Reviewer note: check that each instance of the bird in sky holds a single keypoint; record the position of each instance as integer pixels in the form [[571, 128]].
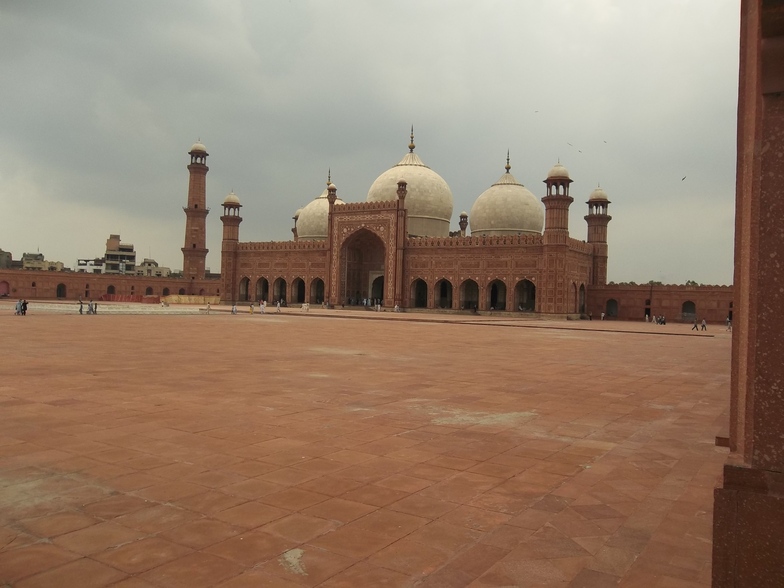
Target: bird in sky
[[683, 178]]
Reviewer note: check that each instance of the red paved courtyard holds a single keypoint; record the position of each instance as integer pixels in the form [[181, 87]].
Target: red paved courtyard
[[328, 449]]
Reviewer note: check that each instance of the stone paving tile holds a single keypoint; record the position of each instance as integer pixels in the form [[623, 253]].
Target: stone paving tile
[[368, 461], [82, 573], [142, 555]]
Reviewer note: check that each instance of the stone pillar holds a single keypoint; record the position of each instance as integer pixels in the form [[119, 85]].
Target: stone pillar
[[748, 516]]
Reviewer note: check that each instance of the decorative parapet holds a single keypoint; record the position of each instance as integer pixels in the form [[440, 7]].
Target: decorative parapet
[[365, 206], [580, 246], [658, 287], [282, 245], [483, 241]]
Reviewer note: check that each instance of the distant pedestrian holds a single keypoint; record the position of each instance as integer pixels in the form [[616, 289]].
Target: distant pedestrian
[[729, 325], [278, 306], [90, 307], [234, 308], [251, 308], [208, 308], [694, 327], [24, 307], [18, 308], [81, 306], [95, 308], [704, 325], [602, 316]]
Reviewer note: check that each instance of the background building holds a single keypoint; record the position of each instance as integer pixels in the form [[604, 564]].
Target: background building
[[120, 258]]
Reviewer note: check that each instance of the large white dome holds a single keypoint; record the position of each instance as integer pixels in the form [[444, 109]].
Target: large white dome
[[506, 208], [428, 201], [313, 219]]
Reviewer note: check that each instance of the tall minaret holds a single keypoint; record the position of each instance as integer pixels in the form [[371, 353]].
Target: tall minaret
[[556, 205], [597, 220], [231, 220], [194, 253]]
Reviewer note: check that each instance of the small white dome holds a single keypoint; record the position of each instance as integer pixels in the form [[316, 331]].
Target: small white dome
[[198, 146], [231, 198], [297, 213], [558, 172], [313, 220], [598, 194], [506, 208], [428, 200]]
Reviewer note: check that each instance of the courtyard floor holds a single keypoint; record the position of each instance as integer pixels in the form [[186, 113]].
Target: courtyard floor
[[356, 449]]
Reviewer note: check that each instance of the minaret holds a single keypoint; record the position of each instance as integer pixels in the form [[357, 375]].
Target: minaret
[[556, 205], [597, 220], [194, 253], [231, 220]]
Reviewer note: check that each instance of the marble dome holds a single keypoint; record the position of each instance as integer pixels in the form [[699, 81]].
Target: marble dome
[[231, 198], [506, 208], [428, 200], [557, 172], [313, 219], [598, 194], [198, 146]]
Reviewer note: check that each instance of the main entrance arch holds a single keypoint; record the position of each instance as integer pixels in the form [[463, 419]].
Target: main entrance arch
[[362, 268]]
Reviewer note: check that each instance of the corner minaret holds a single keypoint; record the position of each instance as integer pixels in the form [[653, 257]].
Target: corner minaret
[[231, 220], [194, 253], [597, 220], [556, 205]]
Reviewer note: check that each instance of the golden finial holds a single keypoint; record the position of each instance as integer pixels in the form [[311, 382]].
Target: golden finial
[[507, 166], [329, 176], [411, 144]]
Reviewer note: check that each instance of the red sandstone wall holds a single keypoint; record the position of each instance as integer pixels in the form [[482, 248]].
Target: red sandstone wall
[[40, 285], [712, 303]]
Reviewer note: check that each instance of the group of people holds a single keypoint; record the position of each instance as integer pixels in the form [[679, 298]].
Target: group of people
[[92, 307], [21, 308], [696, 326], [262, 307], [657, 320]]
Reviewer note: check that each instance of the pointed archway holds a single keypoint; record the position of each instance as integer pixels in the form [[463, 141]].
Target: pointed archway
[[496, 295], [525, 296], [362, 268], [469, 295], [418, 294]]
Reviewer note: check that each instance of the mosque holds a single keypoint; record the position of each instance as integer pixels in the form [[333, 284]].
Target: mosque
[[513, 252]]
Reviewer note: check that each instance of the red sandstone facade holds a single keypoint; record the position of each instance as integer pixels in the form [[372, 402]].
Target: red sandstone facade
[[368, 254]]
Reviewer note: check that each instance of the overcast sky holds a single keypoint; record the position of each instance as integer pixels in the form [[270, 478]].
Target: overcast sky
[[101, 101]]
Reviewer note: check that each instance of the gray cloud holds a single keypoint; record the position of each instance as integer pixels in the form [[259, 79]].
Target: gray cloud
[[103, 99]]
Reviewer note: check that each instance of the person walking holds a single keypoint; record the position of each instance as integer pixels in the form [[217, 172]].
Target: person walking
[[704, 325], [694, 327], [24, 307], [81, 306], [278, 306]]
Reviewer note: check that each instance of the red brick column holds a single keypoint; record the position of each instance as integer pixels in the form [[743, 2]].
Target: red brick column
[[748, 542]]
